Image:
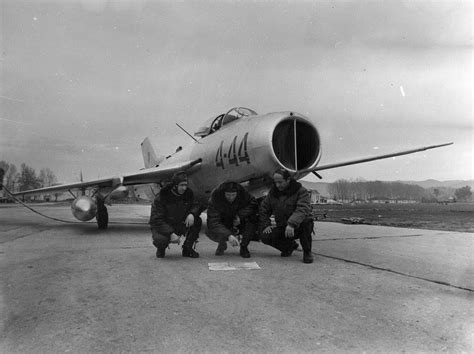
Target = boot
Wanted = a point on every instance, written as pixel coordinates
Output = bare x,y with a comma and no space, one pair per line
244,252
160,252
307,257
221,248
290,250
189,252
306,241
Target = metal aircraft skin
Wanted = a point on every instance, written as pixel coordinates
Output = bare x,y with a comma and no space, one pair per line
239,145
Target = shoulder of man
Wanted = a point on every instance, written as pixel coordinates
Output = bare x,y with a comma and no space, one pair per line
188,194
272,192
215,197
165,194
296,187
244,194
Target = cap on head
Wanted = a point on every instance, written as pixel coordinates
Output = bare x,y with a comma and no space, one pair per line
282,172
179,177
230,187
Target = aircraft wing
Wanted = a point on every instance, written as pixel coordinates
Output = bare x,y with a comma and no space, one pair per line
158,174
150,175
368,159
100,183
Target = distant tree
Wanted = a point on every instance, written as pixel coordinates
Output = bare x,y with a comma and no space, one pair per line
27,178
376,189
359,189
10,175
463,193
440,193
4,165
340,189
47,177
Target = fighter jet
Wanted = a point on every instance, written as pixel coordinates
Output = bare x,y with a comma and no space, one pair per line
239,145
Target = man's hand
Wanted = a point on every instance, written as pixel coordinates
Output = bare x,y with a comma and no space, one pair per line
236,221
189,220
289,231
267,230
175,238
234,242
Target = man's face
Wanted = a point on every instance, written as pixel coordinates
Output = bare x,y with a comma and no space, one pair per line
181,187
230,196
280,182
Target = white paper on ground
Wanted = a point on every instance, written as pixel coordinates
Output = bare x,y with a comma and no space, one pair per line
233,266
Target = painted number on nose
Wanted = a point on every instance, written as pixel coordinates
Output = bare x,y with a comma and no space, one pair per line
234,156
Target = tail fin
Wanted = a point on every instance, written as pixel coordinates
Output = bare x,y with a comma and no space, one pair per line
149,156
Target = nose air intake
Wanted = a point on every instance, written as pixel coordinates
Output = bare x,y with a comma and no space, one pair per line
295,144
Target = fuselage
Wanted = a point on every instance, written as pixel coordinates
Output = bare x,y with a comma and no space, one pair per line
249,149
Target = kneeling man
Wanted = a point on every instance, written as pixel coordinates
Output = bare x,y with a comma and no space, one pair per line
174,213
231,213
290,203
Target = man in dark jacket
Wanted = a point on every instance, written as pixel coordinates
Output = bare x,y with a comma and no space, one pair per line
174,213
231,212
290,203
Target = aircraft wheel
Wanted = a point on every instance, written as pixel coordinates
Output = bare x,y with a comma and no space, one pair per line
102,216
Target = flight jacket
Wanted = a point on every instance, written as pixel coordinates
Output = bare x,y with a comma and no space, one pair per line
169,210
290,207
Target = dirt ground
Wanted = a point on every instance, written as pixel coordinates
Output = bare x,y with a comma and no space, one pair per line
450,217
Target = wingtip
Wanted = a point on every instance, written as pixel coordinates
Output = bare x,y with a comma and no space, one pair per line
446,144
439,145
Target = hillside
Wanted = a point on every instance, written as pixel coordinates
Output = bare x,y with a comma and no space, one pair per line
323,187
432,183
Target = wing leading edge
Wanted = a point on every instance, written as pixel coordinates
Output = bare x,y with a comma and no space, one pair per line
368,159
158,174
151,175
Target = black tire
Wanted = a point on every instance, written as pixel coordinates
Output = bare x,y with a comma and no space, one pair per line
102,216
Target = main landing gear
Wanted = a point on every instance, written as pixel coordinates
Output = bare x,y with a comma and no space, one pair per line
102,215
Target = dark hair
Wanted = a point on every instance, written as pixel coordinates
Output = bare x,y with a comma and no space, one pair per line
179,177
282,172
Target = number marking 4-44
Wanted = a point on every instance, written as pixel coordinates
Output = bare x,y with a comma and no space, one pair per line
233,155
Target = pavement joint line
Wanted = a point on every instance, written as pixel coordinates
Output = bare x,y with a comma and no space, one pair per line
396,272
366,238
130,247
23,236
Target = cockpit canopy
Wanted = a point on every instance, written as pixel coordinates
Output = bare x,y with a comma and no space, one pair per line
214,124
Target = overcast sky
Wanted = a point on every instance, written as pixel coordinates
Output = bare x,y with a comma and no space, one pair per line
84,82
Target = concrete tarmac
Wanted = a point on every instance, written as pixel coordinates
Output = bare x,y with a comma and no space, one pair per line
72,288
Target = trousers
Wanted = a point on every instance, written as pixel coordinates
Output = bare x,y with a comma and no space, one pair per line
246,229
192,234
278,240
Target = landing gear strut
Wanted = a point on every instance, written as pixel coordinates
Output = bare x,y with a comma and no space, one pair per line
102,215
